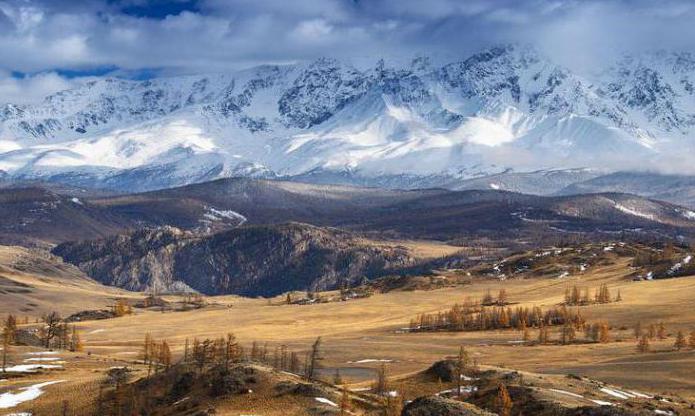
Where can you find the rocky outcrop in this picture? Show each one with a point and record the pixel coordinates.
(253, 260)
(439, 406)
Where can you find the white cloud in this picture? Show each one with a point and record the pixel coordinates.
(30, 89)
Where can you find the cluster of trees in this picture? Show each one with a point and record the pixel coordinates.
(658, 331)
(501, 300)
(222, 351)
(54, 333)
(473, 317)
(121, 308)
(580, 296)
(156, 354)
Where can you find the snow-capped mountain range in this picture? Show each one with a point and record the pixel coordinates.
(503, 108)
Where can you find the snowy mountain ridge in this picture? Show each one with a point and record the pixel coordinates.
(503, 108)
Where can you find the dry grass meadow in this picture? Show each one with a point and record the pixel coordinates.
(369, 329)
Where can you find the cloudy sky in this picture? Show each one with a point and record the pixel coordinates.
(47, 45)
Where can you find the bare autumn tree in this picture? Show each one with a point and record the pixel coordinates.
(52, 327)
(643, 344)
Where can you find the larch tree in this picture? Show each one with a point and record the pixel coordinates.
(10, 327)
(661, 331)
(503, 402)
(380, 385)
(680, 342)
(502, 298)
(461, 366)
(76, 341)
(5, 349)
(314, 359)
(638, 330)
(165, 355)
(345, 405)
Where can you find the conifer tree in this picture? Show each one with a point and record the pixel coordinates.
(380, 385)
(337, 379)
(503, 402)
(314, 359)
(502, 298)
(10, 327)
(487, 299)
(75, 341)
(165, 354)
(345, 405)
(461, 366)
(5, 349)
(638, 330)
(643, 344)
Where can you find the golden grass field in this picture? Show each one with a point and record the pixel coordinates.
(367, 329)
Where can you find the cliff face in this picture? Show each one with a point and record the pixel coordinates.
(252, 261)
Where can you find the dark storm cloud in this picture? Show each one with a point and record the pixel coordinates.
(58, 36)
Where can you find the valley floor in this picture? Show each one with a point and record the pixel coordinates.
(360, 334)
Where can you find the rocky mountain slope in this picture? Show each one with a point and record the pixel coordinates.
(327, 121)
(254, 260)
(41, 217)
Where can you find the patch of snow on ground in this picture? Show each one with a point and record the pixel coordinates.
(642, 395)
(370, 360)
(96, 331)
(76, 201)
(358, 389)
(602, 403)
(494, 186)
(633, 212)
(325, 401)
(568, 393)
(30, 368)
(42, 359)
(563, 275)
(10, 399)
(688, 214)
(217, 214)
(617, 393)
(43, 353)
(392, 393)
(663, 412)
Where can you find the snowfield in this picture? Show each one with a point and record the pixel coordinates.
(505, 107)
(10, 399)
